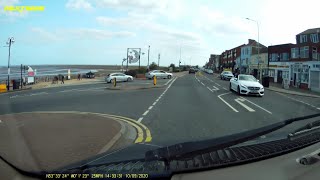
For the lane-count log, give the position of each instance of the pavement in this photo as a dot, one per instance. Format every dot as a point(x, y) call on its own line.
point(189, 107)
point(293, 91)
point(48, 140)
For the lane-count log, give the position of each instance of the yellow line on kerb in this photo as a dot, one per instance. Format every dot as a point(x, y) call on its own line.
point(132, 122)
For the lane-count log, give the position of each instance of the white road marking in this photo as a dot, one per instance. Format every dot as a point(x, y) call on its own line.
point(140, 119)
point(234, 109)
point(225, 89)
point(245, 106)
point(0, 121)
point(257, 105)
point(145, 113)
point(217, 84)
point(168, 82)
point(215, 88)
point(155, 102)
point(202, 83)
point(210, 89)
point(299, 101)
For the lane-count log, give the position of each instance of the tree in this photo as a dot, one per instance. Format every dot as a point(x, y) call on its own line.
point(172, 66)
point(153, 66)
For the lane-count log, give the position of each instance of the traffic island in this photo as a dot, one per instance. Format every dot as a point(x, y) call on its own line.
point(48, 140)
point(134, 87)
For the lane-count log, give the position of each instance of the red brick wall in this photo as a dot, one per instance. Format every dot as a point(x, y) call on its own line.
point(304, 86)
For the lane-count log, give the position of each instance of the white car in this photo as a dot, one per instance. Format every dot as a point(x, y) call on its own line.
point(120, 77)
point(209, 71)
point(226, 75)
point(246, 84)
point(158, 74)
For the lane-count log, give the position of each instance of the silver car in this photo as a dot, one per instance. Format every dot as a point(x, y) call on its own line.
point(226, 75)
point(158, 74)
point(120, 77)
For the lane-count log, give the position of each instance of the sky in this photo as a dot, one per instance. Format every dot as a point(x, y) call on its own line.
point(100, 31)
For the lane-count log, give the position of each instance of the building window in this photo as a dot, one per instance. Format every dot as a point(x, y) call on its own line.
point(314, 53)
point(274, 56)
point(303, 38)
point(305, 74)
point(247, 51)
point(304, 52)
point(284, 56)
point(314, 38)
point(295, 53)
point(271, 73)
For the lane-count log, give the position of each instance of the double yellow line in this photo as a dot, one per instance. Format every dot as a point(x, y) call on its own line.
point(141, 128)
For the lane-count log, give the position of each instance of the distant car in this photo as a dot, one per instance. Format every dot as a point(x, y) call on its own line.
point(120, 77)
point(209, 71)
point(192, 70)
point(226, 75)
point(246, 84)
point(158, 74)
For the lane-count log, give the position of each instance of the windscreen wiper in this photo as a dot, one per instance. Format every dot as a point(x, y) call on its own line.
point(305, 130)
point(189, 149)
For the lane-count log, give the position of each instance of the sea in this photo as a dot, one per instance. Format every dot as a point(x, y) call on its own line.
point(42, 70)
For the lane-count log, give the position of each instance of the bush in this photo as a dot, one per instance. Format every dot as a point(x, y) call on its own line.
point(131, 72)
point(142, 70)
point(153, 66)
point(176, 70)
point(184, 68)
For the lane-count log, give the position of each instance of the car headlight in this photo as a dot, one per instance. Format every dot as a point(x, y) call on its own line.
point(243, 86)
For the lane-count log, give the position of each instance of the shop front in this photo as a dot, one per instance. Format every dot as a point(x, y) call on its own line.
point(279, 72)
point(314, 78)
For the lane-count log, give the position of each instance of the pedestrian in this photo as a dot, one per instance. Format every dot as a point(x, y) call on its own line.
point(62, 79)
point(79, 77)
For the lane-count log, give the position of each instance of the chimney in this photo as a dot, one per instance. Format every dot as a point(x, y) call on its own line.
point(251, 41)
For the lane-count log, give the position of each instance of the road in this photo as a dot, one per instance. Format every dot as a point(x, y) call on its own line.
point(189, 108)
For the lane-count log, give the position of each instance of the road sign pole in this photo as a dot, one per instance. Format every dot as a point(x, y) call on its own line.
point(127, 58)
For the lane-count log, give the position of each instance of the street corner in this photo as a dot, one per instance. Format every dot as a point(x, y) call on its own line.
point(58, 138)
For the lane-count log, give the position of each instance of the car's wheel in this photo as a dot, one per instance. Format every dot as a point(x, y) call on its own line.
point(238, 90)
point(169, 76)
point(230, 87)
point(221, 77)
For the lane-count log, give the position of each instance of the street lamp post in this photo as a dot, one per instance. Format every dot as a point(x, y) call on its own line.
point(258, 41)
point(123, 60)
point(9, 43)
point(148, 56)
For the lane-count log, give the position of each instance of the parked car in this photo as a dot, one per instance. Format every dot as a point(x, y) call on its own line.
point(120, 77)
point(158, 74)
point(226, 75)
point(209, 71)
point(192, 70)
point(246, 84)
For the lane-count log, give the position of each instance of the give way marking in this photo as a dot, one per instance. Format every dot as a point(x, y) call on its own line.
point(240, 100)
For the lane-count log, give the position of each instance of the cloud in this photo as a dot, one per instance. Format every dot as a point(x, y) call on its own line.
point(11, 14)
point(89, 33)
point(211, 21)
point(79, 4)
point(76, 33)
point(44, 35)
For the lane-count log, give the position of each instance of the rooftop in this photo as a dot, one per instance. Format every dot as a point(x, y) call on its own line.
point(310, 31)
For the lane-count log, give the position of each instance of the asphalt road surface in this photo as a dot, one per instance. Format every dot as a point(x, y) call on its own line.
point(189, 108)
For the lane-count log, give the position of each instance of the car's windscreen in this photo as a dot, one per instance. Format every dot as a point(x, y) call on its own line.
point(247, 78)
point(107, 80)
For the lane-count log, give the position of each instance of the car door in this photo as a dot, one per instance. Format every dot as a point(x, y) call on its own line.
point(118, 77)
point(234, 83)
point(123, 77)
point(163, 74)
point(157, 74)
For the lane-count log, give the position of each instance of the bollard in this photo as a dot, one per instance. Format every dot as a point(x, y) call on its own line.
point(154, 80)
point(114, 82)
